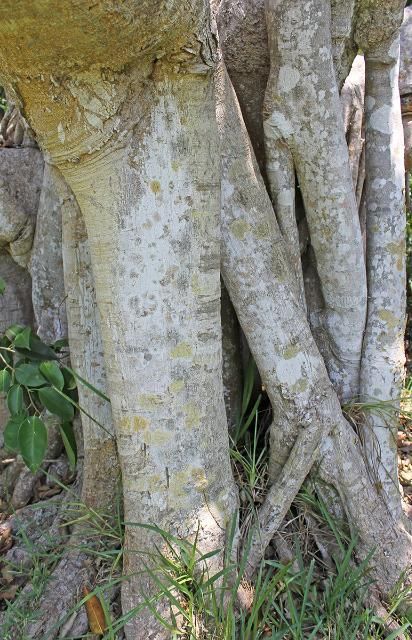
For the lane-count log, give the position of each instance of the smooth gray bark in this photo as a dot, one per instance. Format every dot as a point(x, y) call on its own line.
point(303, 122)
point(152, 215)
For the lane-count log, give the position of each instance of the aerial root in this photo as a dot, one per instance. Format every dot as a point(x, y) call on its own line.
point(283, 491)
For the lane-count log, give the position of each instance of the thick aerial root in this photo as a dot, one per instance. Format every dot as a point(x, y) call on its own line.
point(341, 464)
point(261, 287)
point(303, 118)
point(282, 492)
point(383, 356)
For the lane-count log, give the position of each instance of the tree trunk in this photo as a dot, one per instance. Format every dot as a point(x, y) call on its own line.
point(100, 481)
point(46, 265)
point(132, 122)
point(383, 357)
point(146, 202)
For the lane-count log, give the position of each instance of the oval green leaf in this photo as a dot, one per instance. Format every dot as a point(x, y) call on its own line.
point(29, 375)
point(56, 403)
point(5, 381)
point(32, 440)
point(22, 340)
point(39, 350)
point(15, 399)
point(11, 431)
point(12, 331)
point(51, 371)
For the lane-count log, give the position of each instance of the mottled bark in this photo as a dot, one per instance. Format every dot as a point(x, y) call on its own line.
point(15, 304)
point(100, 477)
point(134, 135)
point(243, 39)
point(306, 409)
point(303, 122)
point(383, 354)
point(101, 473)
point(19, 199)
point(344, 47)
point(405, 85)
point(352, 98)
point(150, 199)
point(46, 264)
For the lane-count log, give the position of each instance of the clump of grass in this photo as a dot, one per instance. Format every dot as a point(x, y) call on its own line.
point(283, 603)
point(307, 598)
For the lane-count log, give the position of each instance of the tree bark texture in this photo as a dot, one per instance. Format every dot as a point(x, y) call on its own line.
point(150, 200)
point(179, 176)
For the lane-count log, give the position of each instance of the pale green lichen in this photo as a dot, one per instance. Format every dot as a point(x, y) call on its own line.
point(240, 228)
point(133, 423)
point(149, 400)
point(388, 317)
point(155, 186)
point(291, 351)
point(199, 478)
point(176, 386)
point(192, 415)
point(397, 249)
point(300, 385)
point(181, 350)
point(261, 231)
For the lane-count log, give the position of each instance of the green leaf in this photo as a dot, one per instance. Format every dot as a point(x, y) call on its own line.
point(87, 384)
point(56, 403)
point(29, 375)
point(69, 441)
point(15, 399)
point(69, 379)
point(60, 344)
point(5, 381)
point(12, 331)
point(32, 441)
point(2, 286)
point(11, 431)
point(52, 373)
point(22, 340)
point(37, 350)
point(6, 356)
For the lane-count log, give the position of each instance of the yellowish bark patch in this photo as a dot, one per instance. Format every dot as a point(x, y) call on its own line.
point(176, 386)
point(199, 478)
point(133, 423)
point(178, 482)
point(397, 249)
point(155, 186)
point(240, 228)
point(291, 351)
point(192, 415)
point(388, 317)
point(300, 385)
point(262, 231)
point(150, 400)
point(157, 437)
point(181, 350)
